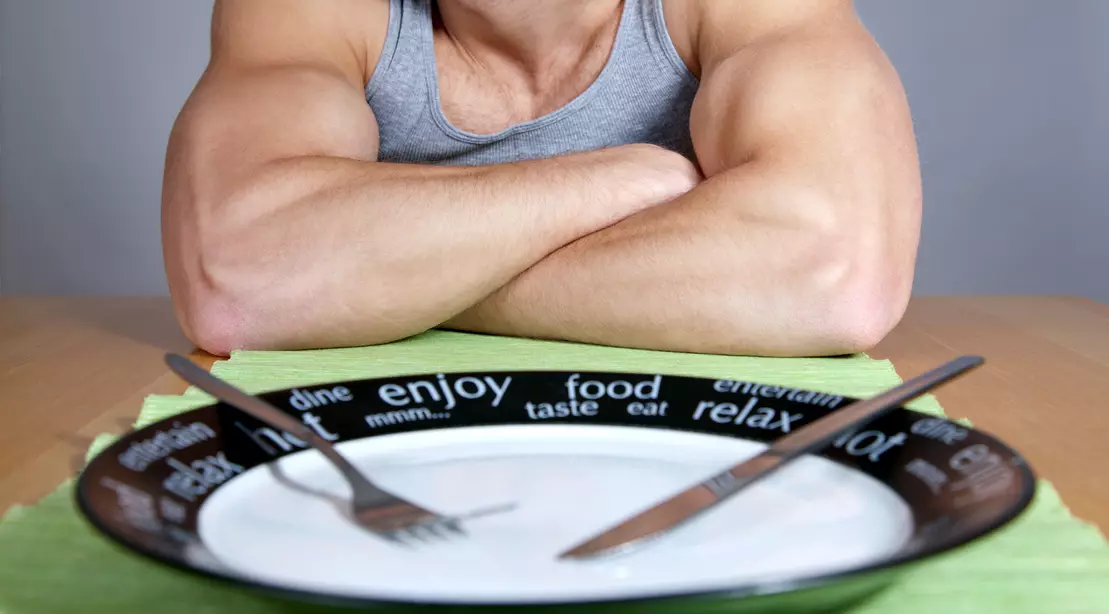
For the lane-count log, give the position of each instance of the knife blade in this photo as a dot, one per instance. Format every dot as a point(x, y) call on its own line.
point(678, 509)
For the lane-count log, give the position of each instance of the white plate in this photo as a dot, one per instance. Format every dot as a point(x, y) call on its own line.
point(268, 514)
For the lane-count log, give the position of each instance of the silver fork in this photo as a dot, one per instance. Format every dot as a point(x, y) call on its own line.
point(372, 507)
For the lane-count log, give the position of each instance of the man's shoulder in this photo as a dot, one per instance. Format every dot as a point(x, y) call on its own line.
point(690, 22)
point(697, 27)
point(343, 30)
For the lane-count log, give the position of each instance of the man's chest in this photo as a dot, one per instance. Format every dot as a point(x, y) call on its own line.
point(486, 97)
point(490, 94)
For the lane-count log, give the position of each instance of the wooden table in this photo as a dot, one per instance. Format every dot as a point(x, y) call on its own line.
point(74, 368)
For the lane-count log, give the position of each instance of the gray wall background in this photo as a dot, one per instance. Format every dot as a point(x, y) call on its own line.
point(1010, 99)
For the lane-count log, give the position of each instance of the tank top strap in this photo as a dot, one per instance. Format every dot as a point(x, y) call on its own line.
point(402, 38)
point(657, 35)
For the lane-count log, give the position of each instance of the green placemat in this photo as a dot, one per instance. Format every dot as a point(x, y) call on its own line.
point(52, 562)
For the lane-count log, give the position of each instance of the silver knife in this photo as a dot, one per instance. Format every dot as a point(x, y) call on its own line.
point(687, 504)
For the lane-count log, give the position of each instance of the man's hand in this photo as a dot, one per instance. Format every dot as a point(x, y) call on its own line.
point(802, 241)
point(642, 176)
point(281, 230)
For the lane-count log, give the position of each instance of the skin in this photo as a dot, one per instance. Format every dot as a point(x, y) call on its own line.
point(795, 235)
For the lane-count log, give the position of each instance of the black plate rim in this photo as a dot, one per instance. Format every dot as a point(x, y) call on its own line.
point(1029, 488)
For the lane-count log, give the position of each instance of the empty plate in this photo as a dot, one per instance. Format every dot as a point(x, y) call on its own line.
point(535, 462)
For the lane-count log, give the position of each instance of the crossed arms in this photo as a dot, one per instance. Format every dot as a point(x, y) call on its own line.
point(797, 235)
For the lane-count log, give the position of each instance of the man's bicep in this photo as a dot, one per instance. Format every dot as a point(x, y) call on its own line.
point(273, 90)
point(818, 95)
point(242, 117)
point(807, 127)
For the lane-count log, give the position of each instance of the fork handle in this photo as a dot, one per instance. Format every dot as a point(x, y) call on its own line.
point(195, 375)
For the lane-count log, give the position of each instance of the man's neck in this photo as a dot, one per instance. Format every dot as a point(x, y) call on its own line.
point(532, 34)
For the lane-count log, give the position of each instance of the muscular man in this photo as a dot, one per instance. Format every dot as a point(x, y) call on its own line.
point(715, 176)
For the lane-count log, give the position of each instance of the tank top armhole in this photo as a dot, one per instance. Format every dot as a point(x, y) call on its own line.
point(661, 33)
point(388, 50)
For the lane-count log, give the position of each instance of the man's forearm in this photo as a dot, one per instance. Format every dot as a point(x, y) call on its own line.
point(699, 275)
point(801, 241)
point(319, 252)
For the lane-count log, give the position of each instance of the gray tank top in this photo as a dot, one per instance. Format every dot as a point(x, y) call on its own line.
point(642, 95)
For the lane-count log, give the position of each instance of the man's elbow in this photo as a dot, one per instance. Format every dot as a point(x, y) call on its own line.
point(216, 310)
point(213, 321)
point(861, 324)
point(863, 309)
point(220, 321)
